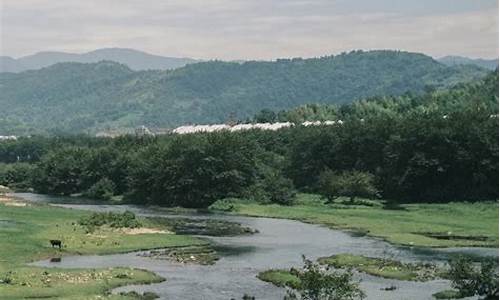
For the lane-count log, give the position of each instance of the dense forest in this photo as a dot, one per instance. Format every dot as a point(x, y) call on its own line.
point(88, 98)
point(437, 146)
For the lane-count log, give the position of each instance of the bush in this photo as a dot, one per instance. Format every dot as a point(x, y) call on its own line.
point(223, 205)
point(144, 296)
point(104, 189)
point(318, 284)
point(16, 175)
point(114, 220)
point(471, 280)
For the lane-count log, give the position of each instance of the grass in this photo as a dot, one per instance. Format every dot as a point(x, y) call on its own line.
point(40, 283)
point(281, 278)
point(426, 225)
point(25, 233)
point(384, 267)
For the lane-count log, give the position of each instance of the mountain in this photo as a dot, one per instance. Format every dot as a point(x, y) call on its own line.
point(8, 64)
point(75, 97)
point(490, 64)
point(136, 60)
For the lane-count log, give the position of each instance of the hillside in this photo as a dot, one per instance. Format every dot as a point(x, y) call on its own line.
point(136, 60)
point(478, 96)
point(74, 97)
point(491, 64)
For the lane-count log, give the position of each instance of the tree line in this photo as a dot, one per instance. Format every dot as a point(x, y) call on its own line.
point(442, 146)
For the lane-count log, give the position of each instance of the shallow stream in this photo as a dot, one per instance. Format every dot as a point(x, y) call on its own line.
point(279, 244)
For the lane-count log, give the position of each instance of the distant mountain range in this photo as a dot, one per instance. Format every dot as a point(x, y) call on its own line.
point(490, 64)
point(136, 60)
point(90, 97)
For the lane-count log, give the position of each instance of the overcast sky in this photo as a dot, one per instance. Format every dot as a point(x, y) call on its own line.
point(250, 29)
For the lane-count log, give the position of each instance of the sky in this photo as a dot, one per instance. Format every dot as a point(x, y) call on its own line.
point(250, 29)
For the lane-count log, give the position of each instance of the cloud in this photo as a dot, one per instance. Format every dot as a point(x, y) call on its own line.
point(243, 29)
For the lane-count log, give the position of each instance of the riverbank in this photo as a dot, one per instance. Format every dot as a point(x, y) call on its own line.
point(456, 224)
point(25, 232)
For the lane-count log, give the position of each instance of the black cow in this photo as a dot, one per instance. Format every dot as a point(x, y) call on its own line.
point(57, 243)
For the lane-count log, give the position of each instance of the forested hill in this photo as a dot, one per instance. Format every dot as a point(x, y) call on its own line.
point(74, 97)
point(479, 96)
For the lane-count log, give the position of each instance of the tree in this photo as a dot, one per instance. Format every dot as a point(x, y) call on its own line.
point(193, 171)
point(62, 171)
point(319, 284)
point(265, 116)
point(350, 184)
point(16, 175)
point(279, 189)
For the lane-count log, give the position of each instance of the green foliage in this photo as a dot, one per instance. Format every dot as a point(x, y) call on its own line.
point(347, 184)
point(279, 189)
point(104, 189)
point(143, 296)
point(16, 175)
point(385, 267)
point(471, 280)
point(222, 205)
point(62, 171)
point(441, 146)
point(77, 98)
point(281, 278)
point(193, 171)
point(272, 188)
point(265, 116)
point(319, 284)
point(111, 219)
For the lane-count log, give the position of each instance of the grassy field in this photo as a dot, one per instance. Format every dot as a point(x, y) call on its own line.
point(281, 278)
point(429, 225)
point(38, 283)
point(25, 233)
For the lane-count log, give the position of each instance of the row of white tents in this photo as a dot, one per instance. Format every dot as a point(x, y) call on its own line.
point(239, 127)
point(8, 137)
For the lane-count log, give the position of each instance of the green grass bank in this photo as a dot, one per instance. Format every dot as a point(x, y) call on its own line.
point(25, 232)
point(455, 224)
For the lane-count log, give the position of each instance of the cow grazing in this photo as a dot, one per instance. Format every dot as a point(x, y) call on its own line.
point(55, 243)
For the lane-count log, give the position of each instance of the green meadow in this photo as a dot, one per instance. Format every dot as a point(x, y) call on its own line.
point(25, 233)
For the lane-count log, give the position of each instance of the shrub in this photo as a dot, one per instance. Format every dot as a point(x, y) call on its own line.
point(273, 188)
point(471, 280)
point(16, 175)
point(319, 284)
point(104, 189)
point(223, 205)
point(279, 189)
point(114, 220)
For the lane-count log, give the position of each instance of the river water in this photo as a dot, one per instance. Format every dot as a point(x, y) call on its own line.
point(279, 244)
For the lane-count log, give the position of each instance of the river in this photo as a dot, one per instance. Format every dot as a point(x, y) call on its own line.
point(279, 244)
